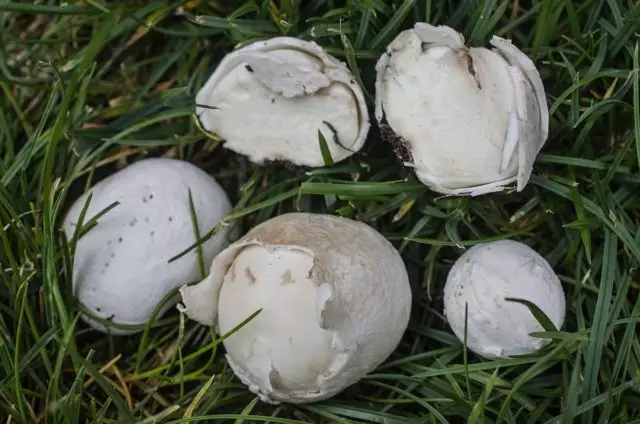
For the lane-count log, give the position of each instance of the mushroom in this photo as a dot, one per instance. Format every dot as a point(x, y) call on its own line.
point(270, 100)
point(333, 297)
point(121, 268)
point(469, 121)
point(482, 279)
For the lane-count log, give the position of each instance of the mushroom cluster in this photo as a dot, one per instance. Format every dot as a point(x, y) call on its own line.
point(334, 301)
point(310, 303)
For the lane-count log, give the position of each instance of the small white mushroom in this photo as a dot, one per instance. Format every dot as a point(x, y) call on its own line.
point(335, 300)
point(121, 269)
point(269, 99)
point(482, 278)
point(468, 120)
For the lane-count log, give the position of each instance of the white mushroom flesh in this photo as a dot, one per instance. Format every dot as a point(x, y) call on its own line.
point(121, 267)
point(277, 279)
point(457, 115)
point(269, 100)
point(482, 278)
point(335, 300)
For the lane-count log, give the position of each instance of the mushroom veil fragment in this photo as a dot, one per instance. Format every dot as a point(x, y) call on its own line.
point(334, 301)
point(483, 279)
point(469, 121)
point(270, 99)
point(121, 266)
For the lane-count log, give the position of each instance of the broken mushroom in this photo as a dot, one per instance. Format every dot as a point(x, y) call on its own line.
point(469, 121)
point(334, 301)
point(121, 268)
point(270, 99)
point(482, 279)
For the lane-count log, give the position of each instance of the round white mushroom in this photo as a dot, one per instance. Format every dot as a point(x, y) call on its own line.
point(334, 297)
point(468, 120)
point(121, 268)
point(269, 99)
point(482, 279)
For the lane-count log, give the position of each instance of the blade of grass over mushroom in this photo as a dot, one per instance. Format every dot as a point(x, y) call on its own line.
point(324, 149)
point(540, 316)
point(196, 235)
point(350, 56)
point(465, 349)
point(83, 228)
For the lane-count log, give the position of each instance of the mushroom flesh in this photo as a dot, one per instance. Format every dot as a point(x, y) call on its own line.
point(270, 99)
point(469, 121)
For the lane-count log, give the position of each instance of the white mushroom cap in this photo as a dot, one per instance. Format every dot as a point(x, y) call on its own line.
point(469, 120)
point(482, 278)
point(335, 301)
point(269, 99)
point(121, 270)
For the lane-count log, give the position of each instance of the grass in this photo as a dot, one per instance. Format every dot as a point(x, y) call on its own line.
point(90, 86)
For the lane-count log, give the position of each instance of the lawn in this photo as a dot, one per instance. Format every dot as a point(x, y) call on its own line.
point(87, 87)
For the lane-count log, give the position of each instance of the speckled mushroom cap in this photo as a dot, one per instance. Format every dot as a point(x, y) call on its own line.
point(482, 278)
point(270, 99)
point(121, 270)
point(335, 301)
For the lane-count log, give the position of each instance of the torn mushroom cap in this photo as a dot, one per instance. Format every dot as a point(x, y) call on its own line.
point(269, 99)
point(335, 301)
point(482, 278)
point(121, 266)
point(468, 120)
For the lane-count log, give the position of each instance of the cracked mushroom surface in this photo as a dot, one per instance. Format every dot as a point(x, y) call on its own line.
point(121, 266)
point(335, 300)
point(269, 99)
point(483, 278)
point(468, 120)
